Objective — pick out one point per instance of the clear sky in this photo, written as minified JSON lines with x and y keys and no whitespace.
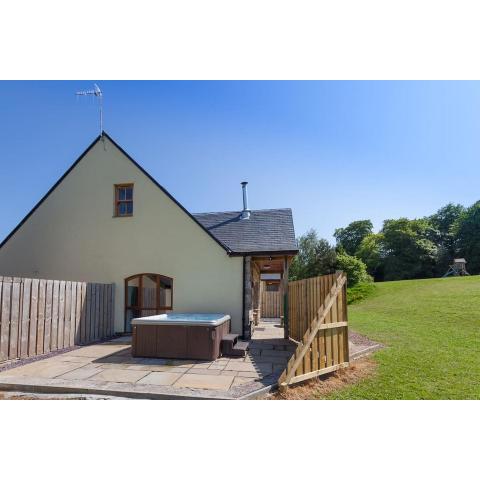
{"x":332,"y":151}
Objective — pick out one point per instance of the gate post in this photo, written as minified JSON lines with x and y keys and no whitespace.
{"x":286,"y":327}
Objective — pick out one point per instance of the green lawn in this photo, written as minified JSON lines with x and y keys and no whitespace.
{"x":432,"y":332}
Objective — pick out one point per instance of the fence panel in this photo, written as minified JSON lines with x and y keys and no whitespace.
{"x":39,"y":316}
{"x":317,"y":316}
{"x":271,"y":304}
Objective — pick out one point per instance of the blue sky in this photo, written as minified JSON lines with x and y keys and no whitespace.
{"x":332,"y":151}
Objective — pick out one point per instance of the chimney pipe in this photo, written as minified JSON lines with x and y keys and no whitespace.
{"x":246,"y":210}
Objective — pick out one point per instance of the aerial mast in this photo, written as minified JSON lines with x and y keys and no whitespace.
{"x":96,"y":92}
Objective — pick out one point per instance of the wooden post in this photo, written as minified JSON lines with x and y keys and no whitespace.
{"x":286,"y":328}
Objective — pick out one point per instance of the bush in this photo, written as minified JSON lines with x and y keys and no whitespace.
{"x":360,"y":292}
{"x":354,"y":268}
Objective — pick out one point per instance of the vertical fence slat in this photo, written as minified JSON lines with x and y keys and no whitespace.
{"x":14,"y":320}
{"x":61,"y":314}
{"x":68,"y":313}
{"x":78,"y":313}
{"x":88,"y":311}
{"x":48,"y":316}
{"x":55,"y":311}
{"x":73,"y":313}
{"x":42,"y":299}
{"x":83,"y":315}
{"x":5,"y":325}
{"x":110,"y":310}
{"x":29,"y":293}
{"x":29,"y":336}
{"x":98,"y":310}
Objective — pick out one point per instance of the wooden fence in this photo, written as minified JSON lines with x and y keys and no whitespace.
{"x":38,"y":316}
{"x":271,"y":304}
{"x":305,"y":297}
{"x":317,"y":318}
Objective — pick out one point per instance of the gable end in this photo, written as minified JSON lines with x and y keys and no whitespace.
{"x":59,"y":181}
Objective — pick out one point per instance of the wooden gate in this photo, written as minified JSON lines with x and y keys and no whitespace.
{"x":271,"y":304}
{"x":317,"y":318}
{"x":38,"y":316}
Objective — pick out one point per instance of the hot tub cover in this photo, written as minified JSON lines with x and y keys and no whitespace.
{"x":201,"y":319}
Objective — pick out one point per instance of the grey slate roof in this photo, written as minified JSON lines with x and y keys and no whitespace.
{"x":265,"y":230}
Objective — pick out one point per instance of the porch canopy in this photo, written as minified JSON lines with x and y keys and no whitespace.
{"x":266,"y":241}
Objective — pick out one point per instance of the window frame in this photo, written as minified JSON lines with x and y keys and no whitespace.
{"x":140,"y":307}
{"x":117,"y":201}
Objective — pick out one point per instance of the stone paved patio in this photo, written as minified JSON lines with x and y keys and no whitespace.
{"x":109,"y":369}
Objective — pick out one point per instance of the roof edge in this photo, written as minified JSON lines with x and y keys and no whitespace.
{"x":240,"y":211}
{"x":263,"y":253}
{"x":77,"y":161}
{"x":169,"y":195}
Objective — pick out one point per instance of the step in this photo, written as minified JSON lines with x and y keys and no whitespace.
{"x":229,"y":340}
{"x":239,"y":350}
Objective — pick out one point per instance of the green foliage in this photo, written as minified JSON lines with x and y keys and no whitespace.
{"x":360,"y":292}
{"x":355,"y":269}
{"x":408,"y":249}
{"x":350,"y":237}
{"x":315,"y":257}
{"x":445,"y":221}
{"x":403,"y":249}
{"x":370,"y":252}
{"x":467,"y":233}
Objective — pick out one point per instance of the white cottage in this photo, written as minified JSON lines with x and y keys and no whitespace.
{"x":107,"y":220}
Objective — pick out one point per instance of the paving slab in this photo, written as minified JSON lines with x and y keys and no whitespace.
{"x":249,"y":374}
{"x":160,"y":378}
{"x":208,"y":382}
{"x":119,"y":375}
{"x":75,"y":359}
{"x":217,"y":366}
{"x":80,"y":373}
{"x":204,"y":371}
{"x":278,"y":353}
{"x":240,"y":381}
{"x":158,"y":368}
{"x":97,"y":351}
{"x":43,"y":369}
{"x":250,"y":367}
{"x":202,"y":365}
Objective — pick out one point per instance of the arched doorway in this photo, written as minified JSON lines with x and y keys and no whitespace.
{"x":147,"y":294}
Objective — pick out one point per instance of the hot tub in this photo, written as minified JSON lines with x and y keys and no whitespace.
{"x":179,"y":335}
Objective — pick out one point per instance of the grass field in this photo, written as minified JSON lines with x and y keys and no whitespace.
{"x":431,"y":329}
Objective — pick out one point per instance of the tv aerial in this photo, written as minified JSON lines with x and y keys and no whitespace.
{"x":96,"y":92}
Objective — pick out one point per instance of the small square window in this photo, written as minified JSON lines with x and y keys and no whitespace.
{"x":124,"y":200}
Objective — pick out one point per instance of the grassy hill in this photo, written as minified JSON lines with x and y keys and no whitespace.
{"x":432,"y":332}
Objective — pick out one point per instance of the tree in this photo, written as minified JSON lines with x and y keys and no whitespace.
{"x":467,"y":233}
{"x":315,"y":257}
{"x":409,"y":251}
{"x":371,"y":253}
{"x":444,"y":221}
{"x":352,"y":235}
{"x":355,"y":269}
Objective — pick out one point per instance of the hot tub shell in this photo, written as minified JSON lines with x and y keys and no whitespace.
{"x":187,"y":336}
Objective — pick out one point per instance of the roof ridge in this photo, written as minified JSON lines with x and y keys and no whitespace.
{"x":240,"y":211}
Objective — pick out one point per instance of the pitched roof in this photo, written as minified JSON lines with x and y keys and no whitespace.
{"x":78,"y":160}
{"x":266,"y":231}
